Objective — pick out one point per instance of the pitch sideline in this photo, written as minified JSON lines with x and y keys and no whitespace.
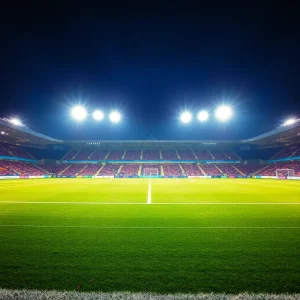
{"x":145,"y":203}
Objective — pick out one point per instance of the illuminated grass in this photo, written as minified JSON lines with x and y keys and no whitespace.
{"x":184,"y":255}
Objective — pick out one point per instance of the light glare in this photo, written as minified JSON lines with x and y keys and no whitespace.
{"x":98,"y":115}
{"x":223,"y":113}
{"x":16,"y":122}
{"x":290,"y":121}
{"x":202,"y":116}
{"x":186,"y":117}
{"x":79,"y":113}
{"x":115,"y":117}
{"x":2,"y":132}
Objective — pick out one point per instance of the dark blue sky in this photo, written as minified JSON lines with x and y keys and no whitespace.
{"x":150,"y":62}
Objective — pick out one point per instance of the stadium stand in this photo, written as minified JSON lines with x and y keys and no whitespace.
{"x":218,"y":155}
{"x":115,"y":154}
{"x":231,"y":155}
{"x":270,"y":170}
{"x":90,"y":169}
{"x":132,"y":155}
{"x":186,"y":155}
{"x":202,"y":154}
{"x":71,"y":154}
{"x":84,"y":154}
{"x":248,"y":169}
{"x":130,"y":170}
{"x":20,"y":168}
{"x":172,"y":170}
{"x":290,"y":151}
{"x":11,"y":150}
{"x":73,"y":169}
{"x":151,"y":166}
{"x":192,"y":170}
{"x":229,"y":169}
{"x":151,"y":155}
{"x":211,"y":170}
{"x":56,"y":169}
{"x":109,"y":170}
{"x":169,"y":155}
{"x":99,"y":154}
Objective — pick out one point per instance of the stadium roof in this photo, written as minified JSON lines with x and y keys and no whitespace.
{"x":282,"y":135}
{"x":22,"y":135}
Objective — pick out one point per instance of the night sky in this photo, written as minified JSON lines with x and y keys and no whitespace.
{"x":150,"y":62}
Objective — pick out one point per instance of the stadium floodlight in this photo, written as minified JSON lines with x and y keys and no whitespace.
{"x":290,"y":121}
{"x":79,"y":113}
{"x":186,"y":117}
{"x":98,"y":115}
{"x":223,"y":113}
{"x":115,"y":117}
{"x":16,"y":121}
{"x":202,"y":116}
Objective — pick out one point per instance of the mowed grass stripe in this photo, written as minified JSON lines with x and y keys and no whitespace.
{"x":151,"y":248}
{"x":148,"y":227}
{"x":158,"y":203}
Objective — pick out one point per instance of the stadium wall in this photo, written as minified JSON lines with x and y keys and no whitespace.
{"x":4,"y":157}
{"x":151,"y":161}
{"x":284,"y":159}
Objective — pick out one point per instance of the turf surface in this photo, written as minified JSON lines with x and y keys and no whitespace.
{"x":198,"y":235}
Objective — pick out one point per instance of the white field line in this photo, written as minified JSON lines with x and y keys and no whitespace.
{"x":51,"y":295}
{"x":25,"y":185}
{"x":267,"y":185}
{"x":152,"y":227}
{"x":149,"y":192}
{"x":142,"y":203}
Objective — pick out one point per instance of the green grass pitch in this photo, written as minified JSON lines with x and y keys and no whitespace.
{"x":197,"y":235}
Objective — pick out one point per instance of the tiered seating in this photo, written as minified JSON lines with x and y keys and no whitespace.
{"x":172,"y":170}
{"x":70,"y":154}
{"x":186,"y":155}
{"x":218,"y":155}
{"x":231,"y":155}
{"x":151,"y":155}
{"x":132,"y":155}
{"x":130,"y":169}
{"x":115,"y":155}
{"x":90,"y":169}
{"x":73,"y":169}
{"x":248,"y":169}
{"x":191,"y":170}
{"x":99,"y":155}
{"x":211,"y":170}
{"x":20,"y":168}
{"x":150,"y":166}
{"x":56,"y":169}
{"x":203,"y":155}
{"x":12,"y":150}
{"x":169,"y":155}
{"x":83,"y":155}
{"x":229,"y":170}
{"x":271,"y":169}
{"x":293,"y":150}
{"x":109,"y":170}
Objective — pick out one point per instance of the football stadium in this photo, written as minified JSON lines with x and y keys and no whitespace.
{"x":149,"y":216}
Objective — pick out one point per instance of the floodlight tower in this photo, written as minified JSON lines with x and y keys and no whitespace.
{"x":224,"y":113}
{"x":185,"y":117}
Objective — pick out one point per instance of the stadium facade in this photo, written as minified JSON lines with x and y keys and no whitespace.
{"x":25,"y":153}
